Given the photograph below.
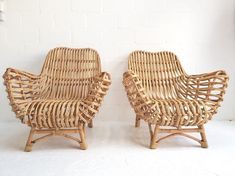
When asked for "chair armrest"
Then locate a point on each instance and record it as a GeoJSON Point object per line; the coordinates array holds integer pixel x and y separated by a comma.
{"type": "Point", "coordinates": [134, 88]}
{"type": "Point", "coordinates": [209, 87]}
{"type": "Point", "coordinates": [98, 89]}
{"type": "Point", "coordinates": [22, 87]}
{"type": "Point", "coordinates": [137, 96]}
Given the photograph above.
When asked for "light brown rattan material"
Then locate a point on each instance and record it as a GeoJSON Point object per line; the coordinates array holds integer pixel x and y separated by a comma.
{"type": "Point", "coordinates": [162, 94]}
{"type": "Point", "coordinates": [63, 98]}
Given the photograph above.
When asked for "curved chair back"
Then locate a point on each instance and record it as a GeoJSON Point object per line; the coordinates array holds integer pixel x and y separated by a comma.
{"type": "Point", "coordinates": [68, 72]}
{"type": "Point", "coordinates": [159, 72]}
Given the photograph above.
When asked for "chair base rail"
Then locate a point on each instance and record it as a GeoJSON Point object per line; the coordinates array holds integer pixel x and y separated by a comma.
{"type": "Point", "coordinates": [57, 132]}
{"type": "Point", "coordinates": [156, 129]}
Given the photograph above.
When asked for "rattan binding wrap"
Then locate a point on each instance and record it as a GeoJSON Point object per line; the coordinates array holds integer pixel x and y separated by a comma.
{"type": "Point", "coordinates": [64, 97]}
{"type": "Point", "coordinates": [162, 94]}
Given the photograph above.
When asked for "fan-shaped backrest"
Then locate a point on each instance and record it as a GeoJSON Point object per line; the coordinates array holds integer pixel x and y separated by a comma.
{"type": "Point", "coordinates": [67, 73]}
{"type": "Point", "coordinates": [159, 72]}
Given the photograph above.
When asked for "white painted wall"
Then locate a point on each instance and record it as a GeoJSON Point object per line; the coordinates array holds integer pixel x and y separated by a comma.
{"type": "Point", "coordinates": [200, 32]}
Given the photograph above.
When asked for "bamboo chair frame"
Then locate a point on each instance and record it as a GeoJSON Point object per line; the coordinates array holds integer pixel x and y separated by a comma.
{"type": "Point", "coordinates": [168, 99]}
{"type": "Point", "coordinates": [63, 98]}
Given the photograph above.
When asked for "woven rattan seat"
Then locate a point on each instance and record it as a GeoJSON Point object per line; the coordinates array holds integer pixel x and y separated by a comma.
{"type": "Point", "coordinates": [63, 98]}
{"type": "Point", "coordinates": [180, 112]}
{"type": "Point", "coordinates": [162, 94]}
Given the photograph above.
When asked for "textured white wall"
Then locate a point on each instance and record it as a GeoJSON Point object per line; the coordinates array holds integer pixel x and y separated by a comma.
{"type": "Point", "coordinates": [200, 32]}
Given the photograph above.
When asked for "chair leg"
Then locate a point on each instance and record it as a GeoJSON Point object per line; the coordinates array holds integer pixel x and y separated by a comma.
{"type": "Point", "coordinates": [137, 122]}
{"type": "Point", "coordinates": [204, 143]}
{"type": "Point", "coordinates": [29, 144]}
{"type": "Point", "coordinates": [153, 135]}
{"type": "Point", "coordinates": [90, 125]}
{"type": "Point", "coordinates": [83, 144]}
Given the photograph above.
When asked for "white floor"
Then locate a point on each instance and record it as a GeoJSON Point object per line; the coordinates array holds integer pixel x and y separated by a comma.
{"type": "Point", "coordinates": [117, 148]}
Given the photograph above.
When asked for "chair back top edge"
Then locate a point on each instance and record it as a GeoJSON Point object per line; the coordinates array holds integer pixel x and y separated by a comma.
{"type": "Point", "coordinates": [87, 56]}
{"type": "Point", "coordinates": [154, 61]}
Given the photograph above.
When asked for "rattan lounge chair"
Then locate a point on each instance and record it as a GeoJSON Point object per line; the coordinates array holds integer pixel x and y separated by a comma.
{"type": "Point", "coordinates": [168, 99]}
{"type": "Point", "coordinates": [63, 98]}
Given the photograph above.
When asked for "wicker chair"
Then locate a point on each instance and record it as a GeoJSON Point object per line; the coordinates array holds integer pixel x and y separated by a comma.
{"type": "Point", "coordinates": [63, 98]}
{"type": "Point", "coordinates": [168, 99]}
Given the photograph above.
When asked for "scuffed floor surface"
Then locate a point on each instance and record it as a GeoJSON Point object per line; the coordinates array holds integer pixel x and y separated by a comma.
{"type": "Point", "coordinates": [118, 148]}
